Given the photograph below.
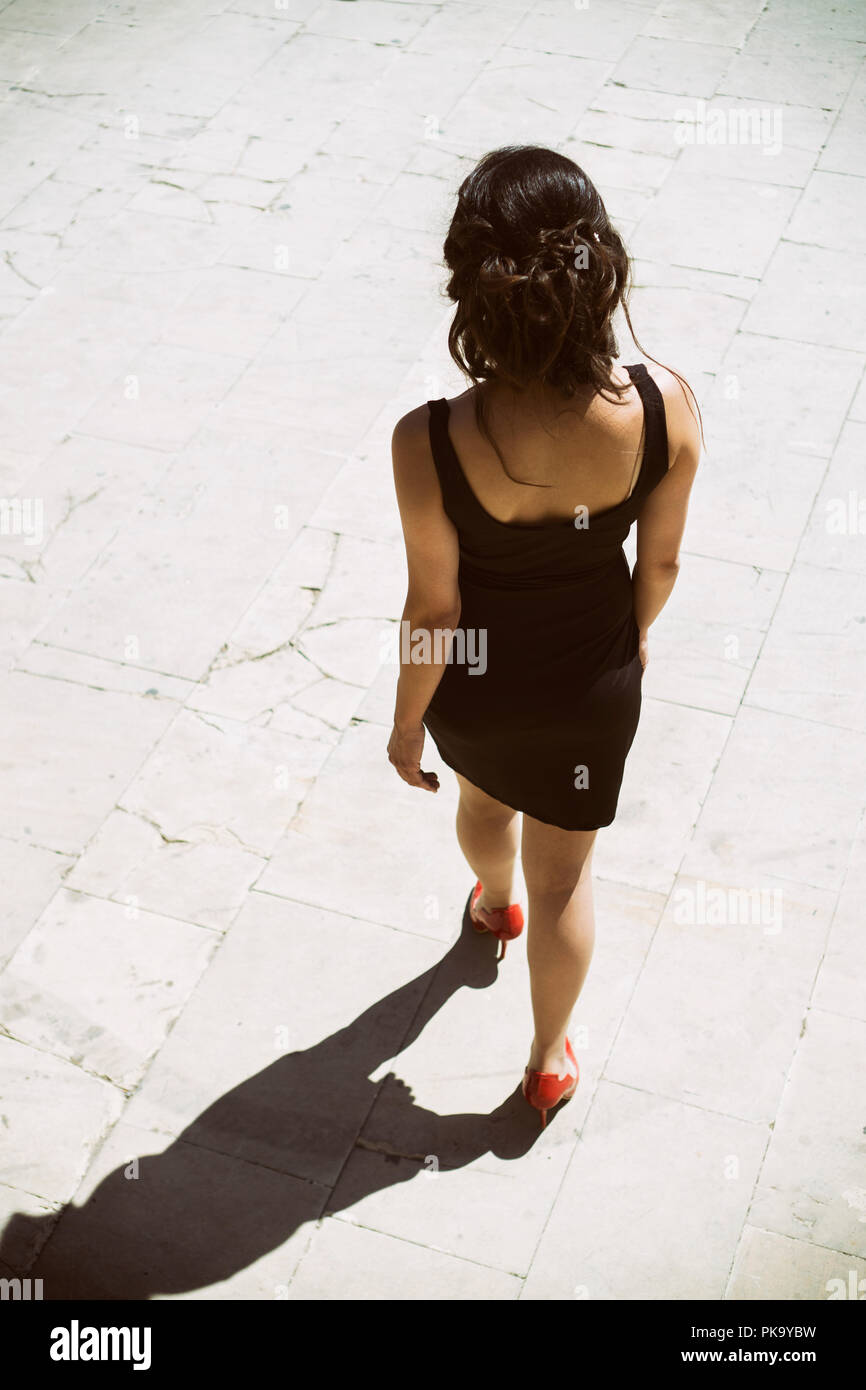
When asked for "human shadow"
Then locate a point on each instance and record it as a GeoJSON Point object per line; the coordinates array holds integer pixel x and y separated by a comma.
{"type": "Point", "coordinates": [192, 1216]}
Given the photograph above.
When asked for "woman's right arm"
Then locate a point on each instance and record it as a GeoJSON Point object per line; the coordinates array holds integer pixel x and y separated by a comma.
{"type": "Point", "coordinates": [662, 519]}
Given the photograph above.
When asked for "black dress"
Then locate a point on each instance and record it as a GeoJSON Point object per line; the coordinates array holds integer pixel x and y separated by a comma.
{"type": "Point", "coordinates": [540, 701]}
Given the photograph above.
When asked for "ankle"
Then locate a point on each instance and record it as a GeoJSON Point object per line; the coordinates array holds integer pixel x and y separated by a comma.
{"type": "Point", "coordinates": [551, 1058]}
{"type": "Point", "coordinates": [491, 901]}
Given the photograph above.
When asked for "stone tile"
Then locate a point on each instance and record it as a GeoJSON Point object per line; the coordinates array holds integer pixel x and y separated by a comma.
{"type": "Point", "coordinates": [163, 396]}
{"type": "Point", "coordinates": [26, 607]}
{"type": "Point", "coordinates": [346, 1261]}
{"type": "Point", "coordinates": [56, 663]}
{"type": "Point", "coordinates": [201, 552]}
{"type": "Point", "coordinates": [659, 806]}
{"type": "Point", "coordinates": [22, 50]}
{"type": "Point", "coordinates": [858, 409]}
{"type": "Point", "coordinates": [44, 1096]}
{"type": "Point", "coordinates": [378, 313]}
{"type": "Point", "coordinates": [15, 467]}
{"type": "Point", "coordinates": [370, 136]}
{"type": "Point", "coordinates": [474, 27]}
{"type": "Point", "coordinates": [142, 246]}
{"type": "Point", "coordinates": [799, 21]}
{"type": "Point", "coordinates": [844, 150]}
{"type": "Point", "coordinates": [769, 1266]}
{"type": "Point", "coordinates": [289, 1080]}
{"type": "Point", "coordinates": [262, 673]}
{"type": "Point", "coordinates": [829, 214]}
{"type": "Point", "coordinates": [386, 853]}
{"type": "Point", "coordinates": [678, 301]}
{"type": "Point", "coordinates": [59, 355]}
{"type": "Point", "coordinates": [750, 956]}
{"type": "Point", "coordinates": [813, 294]}
{"type": "Point", "coordinates": [289, 386]}
{"type": "Point", "coordinates": [36, 875]}
{"type": "Point", "coordinates": [559, 26]}
{"type": "Point", "coordinates": [785, 800]}
{"type": "Point", "coordinates": [737, 138]}
{"type": "Point", "coordinates": [839, 986]}
{"type": "Point", "coordinates": [651, 1181]}
{"type": "Point", "coordinates": [301, 240]}
{"type": "Point", "coordinates": [544, 98]}
{"type": "Point", "coordinates": [673, 65]}
{"type": "Point", "coordinates": [836, 534]}
{"type": "Point", "coordinates": [726, 23]}
{"type": "Point", "coordinates": [157, 1221]}
{"type": "Point", "coordinates": [813, 662]}
{"type": "Point", "coordinates": [775, 411]}
{"type": "Point", "coordinates": [420, 85]}
{"type": "Point", "coordinates": [100, 985]}
{"type": "Point", "coordinates": [129, 861]}
{"type": "Point", "coordinates": [216, 781]}
{"type": "Point", "coordinates": [61, 784]}
{"type": "Point", "coordinates": [726, 225]}
{"type": "Point", "coordinates": [83, 487]}
{"type": "Point", "coordinates": [361, 501]}
{"type": "Point", "coordinates": [614, 168]}
{"type": "Point", "coordinates": [292, 466]}
{"type": "Point", "coordinates": [641, 121]}
{"type": "Point", "coordinates": [811, 1184]}
{"type": "Point", "coordinates": [25, 1220]}
{"type": "Point", "coordinates": [771, 68]}
{"type": "Point", "coordinates": [704, 644]}
{"type": "Point", "coordinates": [231, 310]}
{"type": "Point", "coordinates": [376, 21]}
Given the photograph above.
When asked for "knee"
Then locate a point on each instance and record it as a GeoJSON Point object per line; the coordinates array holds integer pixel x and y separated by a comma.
{"type": "Point", "coordinates": [557, 882]}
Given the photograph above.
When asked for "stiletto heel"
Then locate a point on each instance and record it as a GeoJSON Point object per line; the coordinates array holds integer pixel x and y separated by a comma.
{"type": "Point", "coordinates": [505, 923]}
{"type": "Point", "coordinates": [544, 1089]}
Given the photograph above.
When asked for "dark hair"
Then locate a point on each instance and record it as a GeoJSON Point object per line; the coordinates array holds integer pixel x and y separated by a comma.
{"type": "Point", "coordinates": [536, 272]}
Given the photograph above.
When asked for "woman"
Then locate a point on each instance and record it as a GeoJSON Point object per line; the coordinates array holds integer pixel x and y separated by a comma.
{"type": "Point", "coordinates": [515, 498]}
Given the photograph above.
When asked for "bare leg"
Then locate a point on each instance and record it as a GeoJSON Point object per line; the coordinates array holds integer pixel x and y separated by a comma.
{"type": "Point", "coordinates": [561, 932]}
{"type": "Point", "coordinates": [487, 834]}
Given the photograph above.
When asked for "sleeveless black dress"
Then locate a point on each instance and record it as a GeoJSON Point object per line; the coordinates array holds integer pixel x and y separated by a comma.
{"type": "Point", "coordinates": [539, 703]}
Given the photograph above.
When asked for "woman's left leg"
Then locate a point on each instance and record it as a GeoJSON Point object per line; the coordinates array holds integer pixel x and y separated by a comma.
{"type": "Point", "coordinates": [487, 832]}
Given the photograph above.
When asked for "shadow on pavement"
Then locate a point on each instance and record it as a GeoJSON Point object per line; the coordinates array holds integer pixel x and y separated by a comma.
{"type": "Point", "coordinates": [195, 1216]}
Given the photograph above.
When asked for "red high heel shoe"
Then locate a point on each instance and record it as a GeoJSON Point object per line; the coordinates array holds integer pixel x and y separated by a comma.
{"type": "Point", "coordinates": [544, 1089]}
{"type": "Point", "coordinates": [504, 922]}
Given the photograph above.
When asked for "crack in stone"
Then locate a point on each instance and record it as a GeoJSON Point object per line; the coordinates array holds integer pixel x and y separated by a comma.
{"type": "Point", "coordinates": [379, 1147]}
{"type": "Point", "coordinates": [196, 713]}
{"type": "Point", "coordinates": [7, 256]}
{"type": "Point", "coordinates": [139, 815]}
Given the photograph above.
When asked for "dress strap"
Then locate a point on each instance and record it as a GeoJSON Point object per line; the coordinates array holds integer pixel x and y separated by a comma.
{"type": "Point", "coordinates": [451, 479]}
{"type": "Point", "coordinates": [654, 466]}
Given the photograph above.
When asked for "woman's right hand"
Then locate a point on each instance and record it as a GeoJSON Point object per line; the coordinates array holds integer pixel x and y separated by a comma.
{"type": "Point", "coordinates": [643, 650]}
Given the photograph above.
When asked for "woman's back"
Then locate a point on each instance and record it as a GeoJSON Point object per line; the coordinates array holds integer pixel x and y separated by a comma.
{"type": "Point", "coordinates": [586, 452]}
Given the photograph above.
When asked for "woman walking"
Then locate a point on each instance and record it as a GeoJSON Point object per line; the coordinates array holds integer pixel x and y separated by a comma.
{"type": "Point", "coordinates": [515, 499]}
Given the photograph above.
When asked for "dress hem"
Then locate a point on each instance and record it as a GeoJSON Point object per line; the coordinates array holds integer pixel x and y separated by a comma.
{"type": "Point", "coordinates": [519, 810]}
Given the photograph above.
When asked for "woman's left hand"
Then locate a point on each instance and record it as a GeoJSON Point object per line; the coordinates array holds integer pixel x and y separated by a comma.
{"type": "Point", "coordinates": [404, 753]}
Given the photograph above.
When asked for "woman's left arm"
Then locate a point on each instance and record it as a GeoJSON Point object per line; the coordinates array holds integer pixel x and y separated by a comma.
{"type": "Point", "coordinates": [433, 598]}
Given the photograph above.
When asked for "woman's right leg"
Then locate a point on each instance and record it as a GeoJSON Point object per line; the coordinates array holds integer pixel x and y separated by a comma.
{"type": "Point", "coordinates": [557, 868]}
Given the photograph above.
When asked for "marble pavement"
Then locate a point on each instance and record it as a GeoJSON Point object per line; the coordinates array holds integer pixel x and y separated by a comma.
{"type": "Point", "coordinates": [247, 1051]}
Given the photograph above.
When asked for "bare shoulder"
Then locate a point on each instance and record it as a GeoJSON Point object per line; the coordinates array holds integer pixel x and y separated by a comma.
{"type": "Point", "coordinates": [415, 474]}
{"type": "Point", "coordinates": [412, 428]}
{"type": "Point", "coordinates": [681, 413]}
